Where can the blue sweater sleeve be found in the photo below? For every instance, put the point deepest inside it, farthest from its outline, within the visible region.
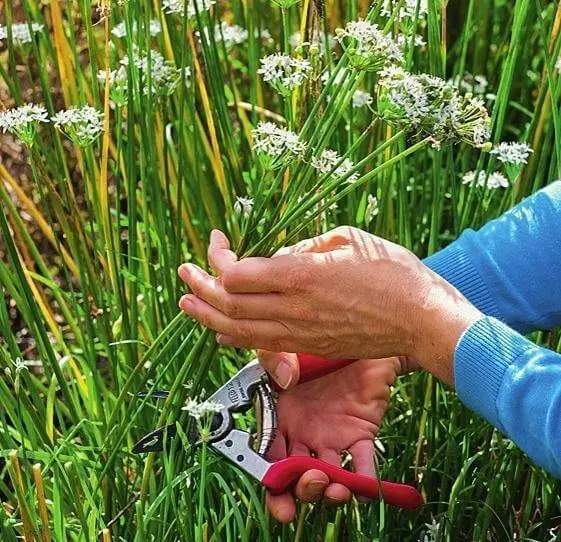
(515, 385)
(510, 268)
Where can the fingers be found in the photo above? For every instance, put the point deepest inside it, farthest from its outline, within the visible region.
(311, 486)
(362, 453)
(282, 507)
(282, 366)
(241, 333)
(262, 275)
(335, 494)
(322, 243)
(211, 290)
(220, 257)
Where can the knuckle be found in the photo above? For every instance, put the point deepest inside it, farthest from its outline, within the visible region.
(246, 332)
(230, 308)
(344, 232)
(228, 279)
(275, 346)
(299, 277)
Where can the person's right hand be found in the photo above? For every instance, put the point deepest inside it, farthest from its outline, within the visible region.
(340, 411)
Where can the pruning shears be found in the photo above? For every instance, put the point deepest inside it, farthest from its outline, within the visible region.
(237, 395)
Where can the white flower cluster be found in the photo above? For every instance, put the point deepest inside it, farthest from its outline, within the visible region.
(117, 83)
(23, 121)
(493, 180)
(407, 9)
(361, 98)
(116, 77)
(404, 40)
(283, 72)
(178, 6)
(367, 46)
(199, 409)
(164, 75)
(558, 64)
(232, 34)
(431, 106)
(476, 84)
(243, 205)
(120, 30)
(82, 125)
(20, 32)
(330, 162)
(512, 153)
(270, 142)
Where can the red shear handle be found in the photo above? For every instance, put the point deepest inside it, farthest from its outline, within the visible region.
(312, 367)
(282, 474)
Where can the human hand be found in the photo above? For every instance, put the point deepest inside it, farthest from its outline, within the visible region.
(346, 294)
(339, 411)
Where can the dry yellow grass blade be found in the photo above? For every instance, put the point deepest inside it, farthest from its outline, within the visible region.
(64, 55)
(15, 473)
(41, 502)
(37, 216)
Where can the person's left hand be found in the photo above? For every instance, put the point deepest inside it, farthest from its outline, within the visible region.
(344, 294)
(339, 411)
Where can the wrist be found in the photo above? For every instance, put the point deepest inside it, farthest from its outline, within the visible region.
(442, 319)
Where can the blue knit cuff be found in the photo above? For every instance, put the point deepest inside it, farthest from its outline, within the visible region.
(454, 266)
(482, 355)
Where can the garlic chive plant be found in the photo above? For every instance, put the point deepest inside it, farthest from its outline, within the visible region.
(23, 121)
(368, 47)
(284, 73)
(82, 125)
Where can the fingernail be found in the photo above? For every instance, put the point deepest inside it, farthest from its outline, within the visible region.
(213, 237)
(223, 339)
(184, 270)
(283, 374)
(185, 302)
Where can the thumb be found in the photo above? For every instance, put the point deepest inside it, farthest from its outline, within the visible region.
(220, 257)
(282, 366)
